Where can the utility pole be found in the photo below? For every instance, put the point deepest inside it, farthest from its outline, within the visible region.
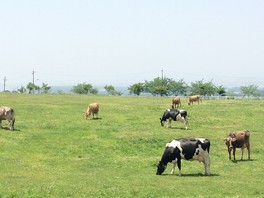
(5, 83)
(33, 74)
(162, 74)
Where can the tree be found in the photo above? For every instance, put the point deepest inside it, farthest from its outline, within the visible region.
(250, 90)
(199, 87)
(136, 88)
(221, 90)
(177, 87)
(30, 87)
(37, 88)
(84, 88)
(45, 88)
(22, 89)
(111, 90)
(158, 86)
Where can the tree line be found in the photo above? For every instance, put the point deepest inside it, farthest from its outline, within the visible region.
(169, 87)
(156, 87)
(32, 88)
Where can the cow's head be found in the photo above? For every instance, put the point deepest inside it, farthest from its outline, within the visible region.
(162, 122)
(87, 115)
(161, 168)
(229, 142)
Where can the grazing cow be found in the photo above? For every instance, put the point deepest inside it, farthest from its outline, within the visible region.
(174, 114)
(238, 139)
(188, 149)
(194, 99)
(176, 102)
(7, 113)
(93, 108)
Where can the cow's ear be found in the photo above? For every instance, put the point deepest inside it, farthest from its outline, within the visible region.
(233, 139)
(160, 119)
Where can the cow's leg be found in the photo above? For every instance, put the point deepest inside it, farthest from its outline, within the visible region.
(185, 123)
(173, 167)
(207, 170)
(12, 124)
(234, 153)
(248, 148)
(229, 153)
(169, 123)
(242, 153)
(10, 121)
(182, 119)
(179, 166)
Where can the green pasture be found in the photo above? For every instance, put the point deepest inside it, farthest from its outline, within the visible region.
(55, 152)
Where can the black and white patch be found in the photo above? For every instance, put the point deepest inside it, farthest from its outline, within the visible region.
(175, 115)
(188, 149)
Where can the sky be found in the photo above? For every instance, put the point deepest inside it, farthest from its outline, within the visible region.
(122, 42)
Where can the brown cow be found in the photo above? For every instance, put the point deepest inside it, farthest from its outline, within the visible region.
(92, 108)
(238, 139)
(7, 113)
(176, 102)
(194, 98)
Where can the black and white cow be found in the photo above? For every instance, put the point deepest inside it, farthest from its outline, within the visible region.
(188, 149)
(174, 114)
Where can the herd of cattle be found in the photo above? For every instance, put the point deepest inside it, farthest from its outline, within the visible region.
(178, 149)
(195, 148)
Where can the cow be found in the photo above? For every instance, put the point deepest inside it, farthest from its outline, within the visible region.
(176, 102)
(194, 98)
(93, 109)
(174, 114)
(7, 113)
(187, 149)
(238, 139)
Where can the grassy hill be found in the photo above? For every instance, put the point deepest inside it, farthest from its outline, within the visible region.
(56, 152)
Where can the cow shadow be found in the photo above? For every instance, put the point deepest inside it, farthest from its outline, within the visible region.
(191, 175)
(199, 175)
(243, 160)
(8, 129)
(95, 119)
(179, 128)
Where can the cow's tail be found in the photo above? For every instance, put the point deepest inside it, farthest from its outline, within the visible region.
(208, 144)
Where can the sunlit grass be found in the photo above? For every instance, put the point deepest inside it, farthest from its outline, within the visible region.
(55, 152)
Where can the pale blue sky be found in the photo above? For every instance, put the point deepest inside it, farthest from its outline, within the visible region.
(123, 42)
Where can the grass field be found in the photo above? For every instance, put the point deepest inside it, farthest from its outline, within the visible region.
(55, 152)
